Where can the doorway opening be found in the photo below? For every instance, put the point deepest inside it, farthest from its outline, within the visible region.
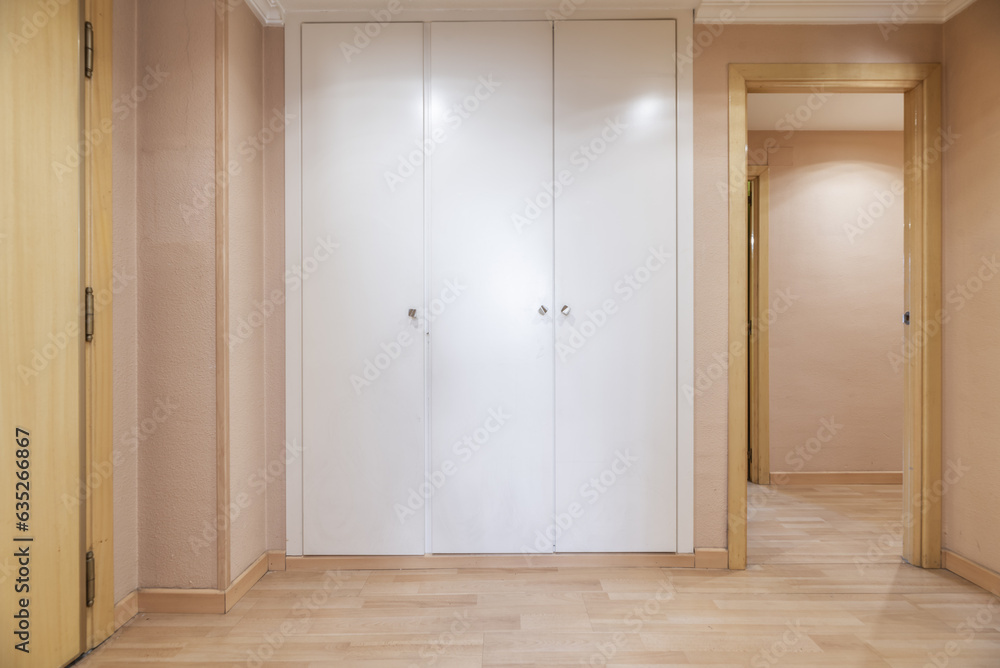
(919, 192)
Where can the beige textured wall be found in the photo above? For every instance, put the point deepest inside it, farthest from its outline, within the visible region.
(750, 44)
(176, 293)
(836, 290)
(249, 310)
(274, 282)
(971, 425)
(176, 299)
(125, 344)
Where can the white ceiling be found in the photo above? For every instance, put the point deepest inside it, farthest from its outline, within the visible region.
(827, 111)
(887, 12)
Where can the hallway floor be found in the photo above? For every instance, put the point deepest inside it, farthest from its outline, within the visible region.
(825, 587)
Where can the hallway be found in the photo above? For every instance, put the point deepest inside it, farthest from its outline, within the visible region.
(803, 601)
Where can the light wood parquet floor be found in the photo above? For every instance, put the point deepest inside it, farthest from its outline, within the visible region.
(825, 587)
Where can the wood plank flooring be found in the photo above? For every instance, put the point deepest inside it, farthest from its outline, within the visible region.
(816, 593)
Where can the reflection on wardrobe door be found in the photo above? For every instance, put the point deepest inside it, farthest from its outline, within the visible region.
(615, 270)
(490, 277)
(362, 231)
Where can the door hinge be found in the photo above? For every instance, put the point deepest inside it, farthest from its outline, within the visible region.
(88, 315)
(88, 49)
(91, 588)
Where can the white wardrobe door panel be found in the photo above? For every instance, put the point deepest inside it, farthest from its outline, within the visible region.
(491, 351)
(615, 232)
(363, 383)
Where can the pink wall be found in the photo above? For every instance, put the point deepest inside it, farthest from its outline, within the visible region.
(125, 343)
(176, 294)
(971, 424)
(836, 286)
(249, 308)
(175, 360)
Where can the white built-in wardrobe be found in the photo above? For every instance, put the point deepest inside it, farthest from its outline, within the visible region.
(488, 334)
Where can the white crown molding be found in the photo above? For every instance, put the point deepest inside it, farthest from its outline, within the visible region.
(896, 12)
(270, 12)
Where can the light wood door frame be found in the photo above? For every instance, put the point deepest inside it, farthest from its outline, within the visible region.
(921, 86)
(98, 362)
(759, 438)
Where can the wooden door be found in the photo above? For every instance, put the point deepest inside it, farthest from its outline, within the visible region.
(41, 377)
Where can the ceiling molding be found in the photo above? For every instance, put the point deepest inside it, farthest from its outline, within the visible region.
(270, 12)
(886, 12)
(410, 7)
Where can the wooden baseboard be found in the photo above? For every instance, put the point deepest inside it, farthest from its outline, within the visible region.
(245, 580)
(276, 560)
(711, 557)
(126, 609)
(976, 574)
(203, 601)
(432, 561)
(836, 477)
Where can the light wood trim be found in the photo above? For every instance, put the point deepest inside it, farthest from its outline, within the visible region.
(912, 401)
(762, 336)
(126, 609)
(431, 561)
(837, 478)
(194, 601)
(834, 78)
(245, 580)
(99, 360)
(971, 571)
(921, 84)
(222, 297)
(737, 415)
(276, 560)
(711, 557)
(931, 352)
